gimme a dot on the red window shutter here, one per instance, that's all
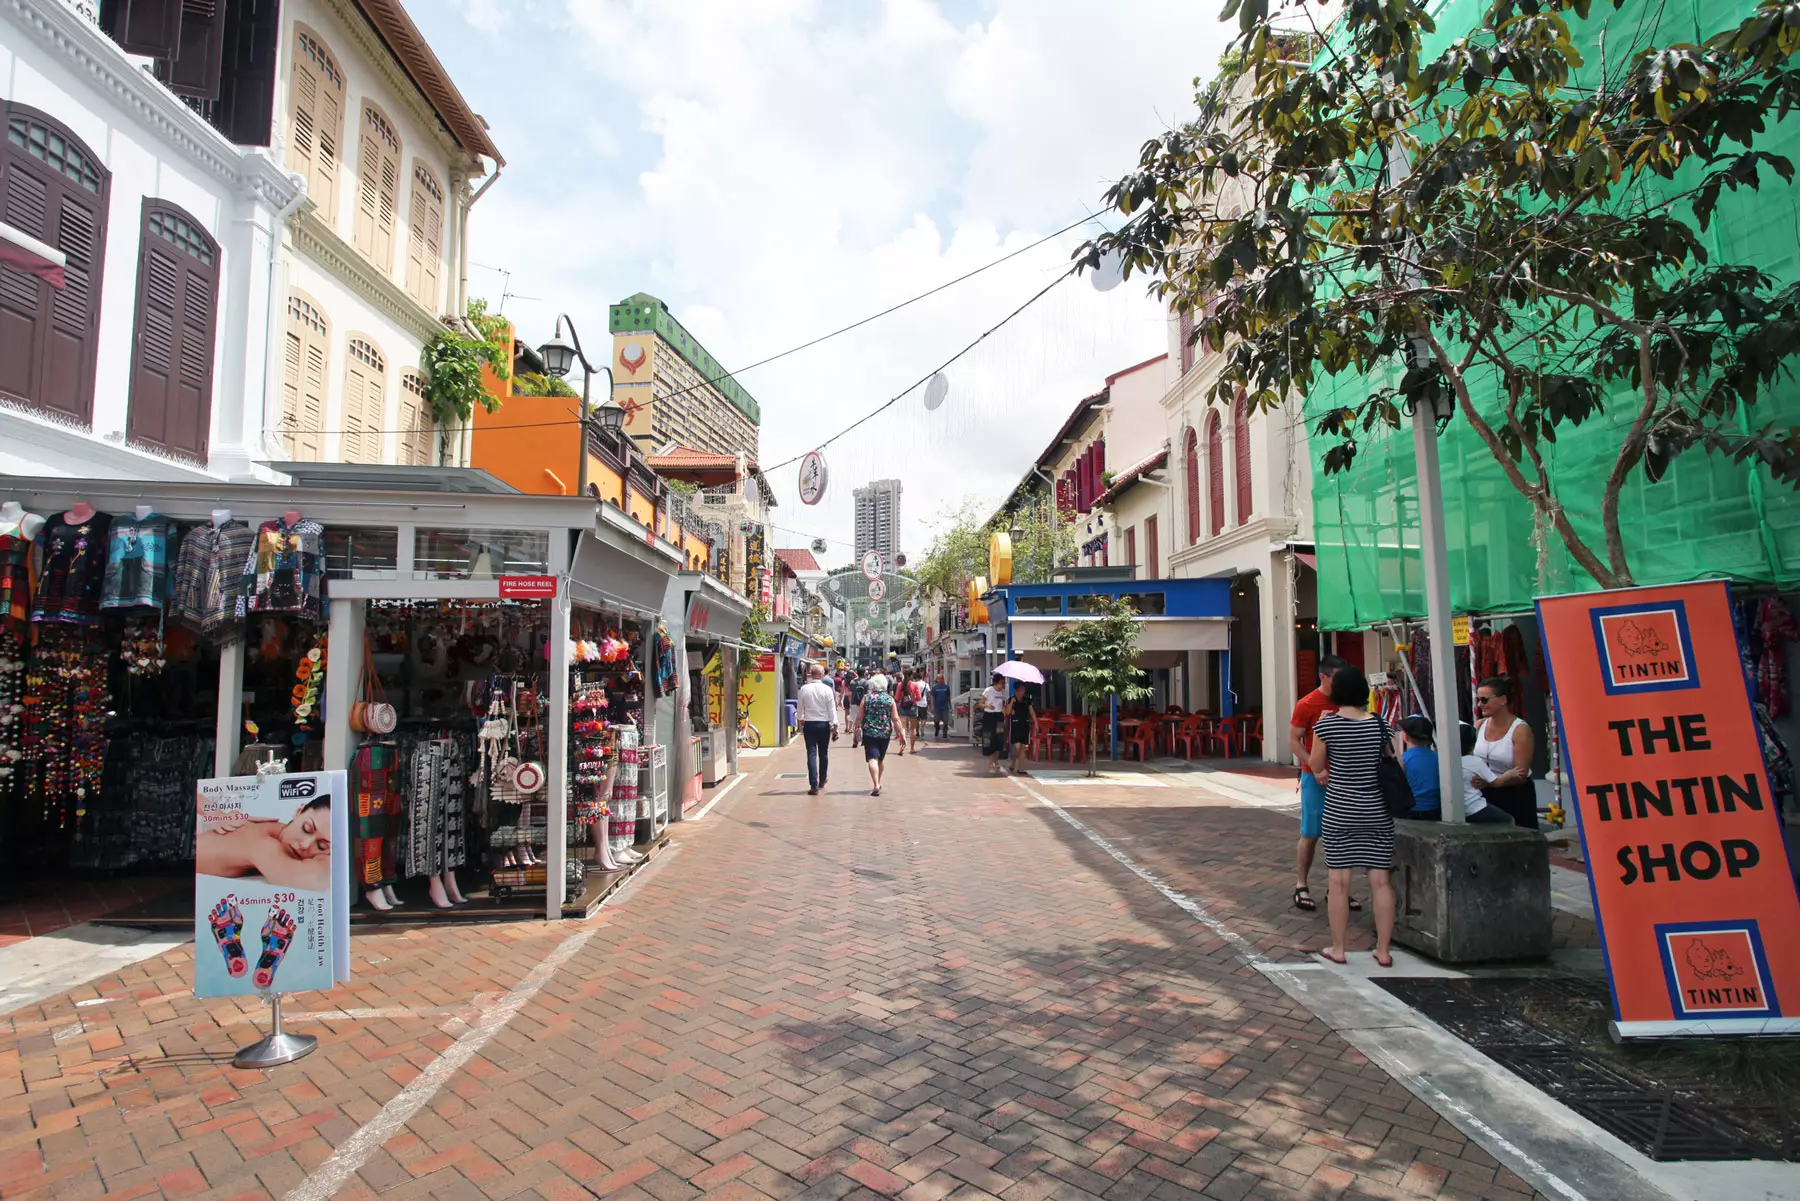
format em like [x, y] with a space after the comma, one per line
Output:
[1240, 439]
[246, 108]
[170, 405]
[1131, 550]
[1187, 342]
[199, 52]
[1150, 550]
[1215, 471]
[1191, 450]
[148, 27]
[1100, 462]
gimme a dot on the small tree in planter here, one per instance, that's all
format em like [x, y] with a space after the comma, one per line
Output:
[1100, 654]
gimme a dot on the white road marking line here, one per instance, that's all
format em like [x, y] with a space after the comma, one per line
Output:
[1249, 955]
[336, 1172]
[735, 781]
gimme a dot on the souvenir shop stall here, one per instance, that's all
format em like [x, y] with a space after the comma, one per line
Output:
[712, 629]
[412, 626]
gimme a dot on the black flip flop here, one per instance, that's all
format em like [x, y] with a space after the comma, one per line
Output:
[1303, 900]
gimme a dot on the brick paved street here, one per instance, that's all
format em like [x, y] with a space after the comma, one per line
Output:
[943, 992]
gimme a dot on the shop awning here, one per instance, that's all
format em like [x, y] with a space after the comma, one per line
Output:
[609, 577]
[19, 249]
[1162, 641]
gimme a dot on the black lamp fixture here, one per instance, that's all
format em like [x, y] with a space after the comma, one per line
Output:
[559, 359]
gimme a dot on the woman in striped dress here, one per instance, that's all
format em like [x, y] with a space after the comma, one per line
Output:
[1358, 830]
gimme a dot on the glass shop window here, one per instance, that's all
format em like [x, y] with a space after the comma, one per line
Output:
[1037, 606]
[362, 554]
[479, 554]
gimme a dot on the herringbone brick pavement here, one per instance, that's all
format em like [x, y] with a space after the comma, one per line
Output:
[942, 992]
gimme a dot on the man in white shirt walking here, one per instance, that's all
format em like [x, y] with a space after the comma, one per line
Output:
[818, 716]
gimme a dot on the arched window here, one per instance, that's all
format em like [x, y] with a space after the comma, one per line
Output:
[415, 422]
[176, 326]
[1191, 452]
[377, 187]
[424, 237]
[365, 400]
[1240, 445]
[307, 356]
[54, 189]
[315, 149]
[1215, 471]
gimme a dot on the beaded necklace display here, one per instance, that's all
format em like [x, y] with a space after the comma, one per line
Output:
[65, 706]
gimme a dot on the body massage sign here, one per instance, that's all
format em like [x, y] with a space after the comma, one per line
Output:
[271, 884]
[1695, 898]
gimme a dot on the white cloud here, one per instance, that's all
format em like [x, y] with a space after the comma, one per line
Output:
[775, 169]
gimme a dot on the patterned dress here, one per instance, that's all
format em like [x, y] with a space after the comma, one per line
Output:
[1358, 830]
[434, 809]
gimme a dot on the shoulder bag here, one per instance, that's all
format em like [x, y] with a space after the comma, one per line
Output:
[1390, 776]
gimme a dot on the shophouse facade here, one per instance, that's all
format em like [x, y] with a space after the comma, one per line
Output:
[674, 392]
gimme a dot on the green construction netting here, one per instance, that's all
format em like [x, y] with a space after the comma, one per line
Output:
[1708, 517]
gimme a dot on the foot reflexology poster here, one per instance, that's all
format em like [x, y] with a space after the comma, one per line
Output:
[271, 884]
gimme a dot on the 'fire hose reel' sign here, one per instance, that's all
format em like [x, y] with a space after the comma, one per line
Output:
[1692, 891]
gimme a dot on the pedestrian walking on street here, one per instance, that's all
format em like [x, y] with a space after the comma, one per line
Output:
[993, 718]
[817, 713]
[916, 698]
[1309, 710]
[940, 707]
[875, 723]
[1357, 830]
[1504, 744]
[1019, 712]
[902, 694]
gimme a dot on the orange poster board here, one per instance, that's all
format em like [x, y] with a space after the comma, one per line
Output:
[1693, 892]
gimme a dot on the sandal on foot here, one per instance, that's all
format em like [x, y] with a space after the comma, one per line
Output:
[1303, 900]
[1388, 962]
[1355, 905]
[1325, 954]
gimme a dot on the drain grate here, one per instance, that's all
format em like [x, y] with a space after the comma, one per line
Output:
[1487, 1015]
[790, 775]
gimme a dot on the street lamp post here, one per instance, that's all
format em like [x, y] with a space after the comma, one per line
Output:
[559, 359]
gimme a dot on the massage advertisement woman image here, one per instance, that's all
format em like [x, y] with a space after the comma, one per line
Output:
[269, 851]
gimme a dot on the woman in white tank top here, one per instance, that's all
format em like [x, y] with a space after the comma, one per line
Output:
[1504, 744]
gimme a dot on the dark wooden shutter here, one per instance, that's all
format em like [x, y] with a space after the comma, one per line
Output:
[55, 190]
[246, 109]
[1240, 440]
[1187, 342]
[151, 27]
[1215, 471]
[1152, 556]
[1191, 451]
[200, 51]
[173, 338]
[1131, 550]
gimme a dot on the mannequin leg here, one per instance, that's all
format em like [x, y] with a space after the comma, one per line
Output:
[456, 896]
[376, 899]
[439, 898]
[388, 890]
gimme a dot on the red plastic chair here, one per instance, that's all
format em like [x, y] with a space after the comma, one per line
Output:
[1192, 733]
[1074, 733]
[1043, 738]
[1142, 739]
[1224, 736]
[1250, 730]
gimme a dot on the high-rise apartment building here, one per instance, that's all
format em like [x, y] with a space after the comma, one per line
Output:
[672, 389]
[878, 518]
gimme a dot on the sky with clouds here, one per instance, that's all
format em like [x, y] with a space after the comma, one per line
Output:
[775, 169]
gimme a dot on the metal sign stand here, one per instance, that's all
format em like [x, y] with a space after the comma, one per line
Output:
[278, 1048]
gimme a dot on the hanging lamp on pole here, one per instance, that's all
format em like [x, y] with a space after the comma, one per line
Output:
[559, 358]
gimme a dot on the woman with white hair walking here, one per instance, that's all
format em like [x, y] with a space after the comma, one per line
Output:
[875, 725]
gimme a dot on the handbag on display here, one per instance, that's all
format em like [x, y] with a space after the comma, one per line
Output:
[372, 714]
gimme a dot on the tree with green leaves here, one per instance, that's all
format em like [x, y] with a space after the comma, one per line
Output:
[1513, 225]
[1101, 654]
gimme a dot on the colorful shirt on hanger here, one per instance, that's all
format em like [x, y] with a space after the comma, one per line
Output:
[137, 563]
[209, 578]
[285, 571]
[72, 569]
[15, 579]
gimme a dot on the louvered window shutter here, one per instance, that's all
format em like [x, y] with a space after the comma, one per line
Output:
[55, 190]
[170, 407]
[1187, 341]
[377, 188]
[424, 238]
[1131, 550]
[318, 101]
[1152, 557]
[1215, 471]
[303, 380]
[415, 422]
[1191, 451]
[365, 394]
[1240, 438]
[200, 52]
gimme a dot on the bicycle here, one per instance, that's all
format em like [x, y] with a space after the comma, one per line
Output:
[749, 738]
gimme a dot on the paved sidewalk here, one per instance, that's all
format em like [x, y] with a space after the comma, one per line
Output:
[941, 992]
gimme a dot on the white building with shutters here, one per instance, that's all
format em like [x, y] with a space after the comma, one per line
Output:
[226, 232]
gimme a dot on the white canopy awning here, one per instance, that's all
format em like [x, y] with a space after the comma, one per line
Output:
[1162, 641]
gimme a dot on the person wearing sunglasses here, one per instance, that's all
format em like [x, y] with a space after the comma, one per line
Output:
[1504, 744]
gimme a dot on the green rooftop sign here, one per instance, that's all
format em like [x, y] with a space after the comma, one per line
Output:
[645, 312]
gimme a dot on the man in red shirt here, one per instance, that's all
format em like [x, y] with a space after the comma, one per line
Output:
[1310, 708]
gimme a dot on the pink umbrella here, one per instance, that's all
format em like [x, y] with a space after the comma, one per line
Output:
[1018, 669]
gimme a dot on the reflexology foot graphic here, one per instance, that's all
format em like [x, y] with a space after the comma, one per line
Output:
[228, 928]
[277, 932]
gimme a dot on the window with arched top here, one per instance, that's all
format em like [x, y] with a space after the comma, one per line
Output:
[1240, 445]
[1190, 451]
[424, 237]
[415, 422]
[365, 400]
[316, 95]
[53, 188]
[1215, 472]
[305, 360]
[377, 187]
[170, 408]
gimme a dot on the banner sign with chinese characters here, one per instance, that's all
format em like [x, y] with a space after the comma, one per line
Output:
[271, 884]
[1692, 887]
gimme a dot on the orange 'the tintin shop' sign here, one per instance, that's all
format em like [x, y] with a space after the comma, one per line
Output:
[1692, 889]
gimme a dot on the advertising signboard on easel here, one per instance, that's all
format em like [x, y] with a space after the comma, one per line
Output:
[271, 893]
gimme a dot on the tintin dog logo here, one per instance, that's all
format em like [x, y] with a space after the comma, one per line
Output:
[1645, 648]
[1716, 969]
